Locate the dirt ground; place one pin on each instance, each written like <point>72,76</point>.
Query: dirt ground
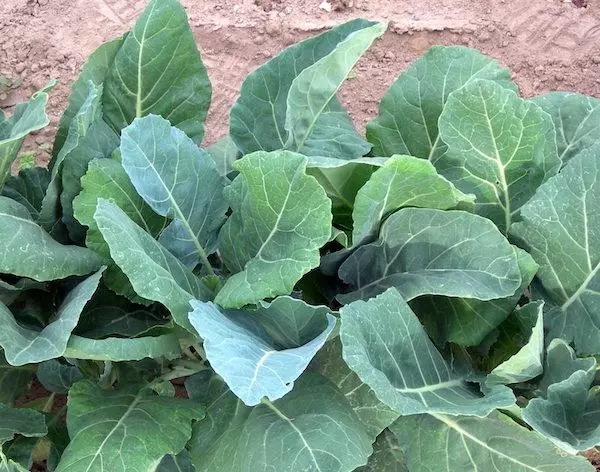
<point>549,44</point>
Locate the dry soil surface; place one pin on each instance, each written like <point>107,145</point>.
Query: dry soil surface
<point>548,44</point>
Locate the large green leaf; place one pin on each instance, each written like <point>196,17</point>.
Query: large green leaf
<point>408,113</point>
<point>500,148</point>
<point>403,181</point>
<point>158,70</point>
<point>252,362</point>
<point>178,181</point>
<point>28,251</point>
<point>314,125</point>
<point>560,230</point>
<point>154,272</point>
<point>95,70</point>
<point>387,455</point>
<point>467,321</point>
<point>374,414</point>
<point>568,412</point>
<point>312,428</point>
<point>385,344</point>
<point>526,363</point>
<point>282,216</point>
<point>576,118</point>
<point>123,349</point>
<point>562,362</point>
<point>27,117</point>
<point>495,443</point>
<point>432,252</point>
<point>28,188</point>
<point>106,178</point>
<point>289,102</point>
<point>124,430</point>
<point>26,346</point>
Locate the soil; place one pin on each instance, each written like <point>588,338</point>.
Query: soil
<point>548,44</point>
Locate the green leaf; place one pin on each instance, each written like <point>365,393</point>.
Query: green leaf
<point>403,181</point>
<point>479,444</point>
<point>467,321</point>
<point>385,344</point>
<point>525,364</point>
<point>28,188</point>
<point>311,428</point>
<point>387,455</point>
<point>289,102</point>
<point>58,377</point>
<point>20,453</point>
<point>568,413</point>
<point>312,123</point>
<point>179,463</point>
<point>95,70</point>
<point>154,272</point>
<point>409,111</point>
<point>576,118</point>
<point>562,362</point>
<point>178,181</point>
<point>99,142</point>
<point>124,430</point>
<point>283,217</point>
<point>27,117</point>
<point>21,421</point>
<point>89,113</point>
<point>13,380</point>
<point>559,229</point>
<point>111,320</point>
<point>374,415</point>
<point>158,70</point>
<point>432,252</point>
<point>240,350</point>
<point>106,178</point>
<point>26,346</point>
<point>500,148</point>
<point>120,349</point>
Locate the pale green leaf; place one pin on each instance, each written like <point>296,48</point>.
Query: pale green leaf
<point>311,429</point>
<point>568,412</point>
<point>277,97</point>
<point>385,344</point>
<point>576,118</point>
<point>224,153</point>
<point>423,251</point>
<point>25,346</point>
<point>283,217</point>
<point>27,117</point>
<point>158,70</point>
<point>525,364</point>
<point>500,148</point>
<point>403,181</point>
<point>249,359</point>
<point>123,349</point>
<point>154,272</point>
<point>409,111</point>
<point>467,444</point>
<point>179,181</point>
<point>124,430</point>
<point>560,230</point>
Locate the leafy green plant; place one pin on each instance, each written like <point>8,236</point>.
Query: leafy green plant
<point>422,298</point>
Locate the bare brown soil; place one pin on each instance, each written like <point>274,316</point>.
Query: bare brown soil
<point>549,44</point>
